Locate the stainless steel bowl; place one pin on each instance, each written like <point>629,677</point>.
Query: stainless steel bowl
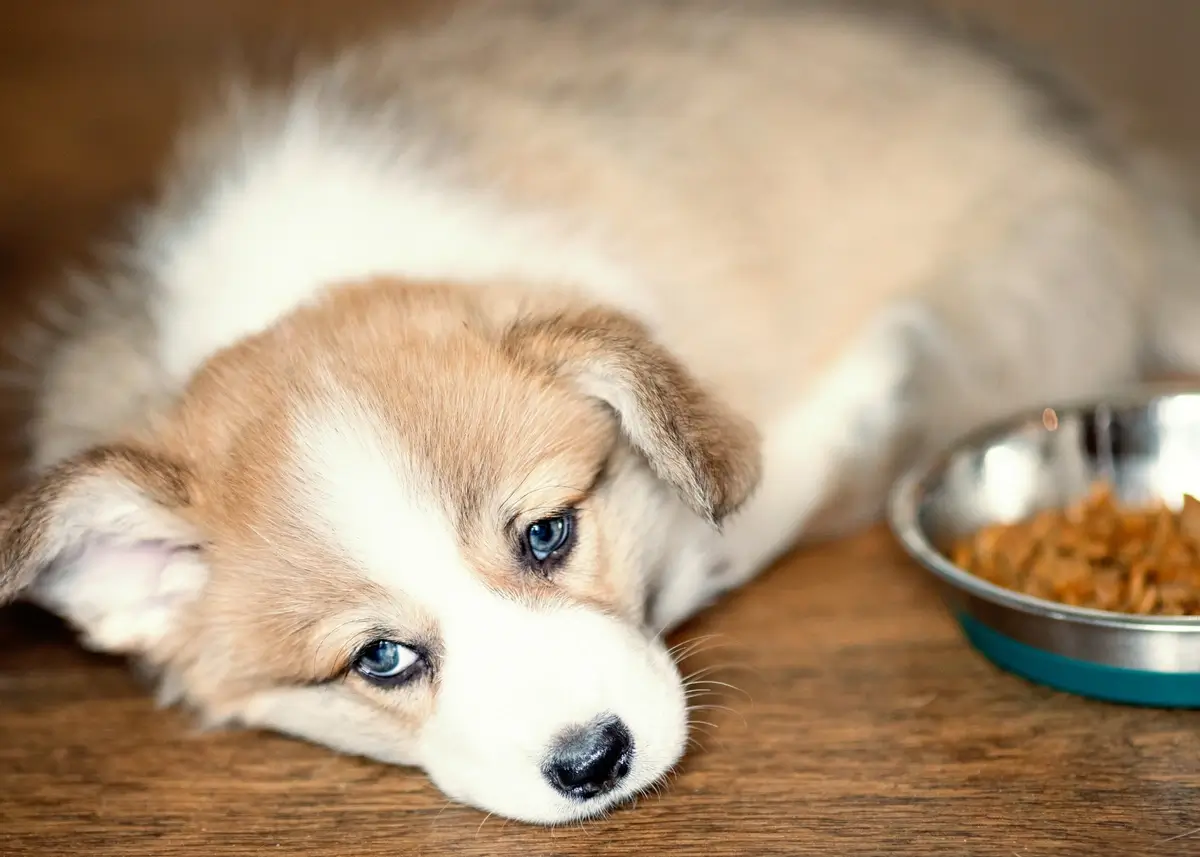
<point>1146,443</point>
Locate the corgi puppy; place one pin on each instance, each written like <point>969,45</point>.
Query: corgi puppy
<point>444,379</point>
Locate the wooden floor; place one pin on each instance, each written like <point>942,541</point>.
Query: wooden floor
<point>864,725</point>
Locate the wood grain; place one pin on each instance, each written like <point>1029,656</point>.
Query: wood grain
<point>862,725</point>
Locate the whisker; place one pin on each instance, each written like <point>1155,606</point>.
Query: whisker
<point>445,807</point>
<point>691,648</point>
<point>694,688</point>
<point>676,649</point>
<point>512,500</point>
<point>710,683</point>
<point>733,711</point>
<point>479,829</point>
<point>709,670</point>
<point>1186,835</point>
<point>692,708</point>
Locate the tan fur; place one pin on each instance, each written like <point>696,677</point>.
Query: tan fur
<point>746,171</point>
<point>692,440</point>
<point>431,358</point>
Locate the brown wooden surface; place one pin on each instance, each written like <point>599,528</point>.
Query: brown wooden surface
<point>866,725</point>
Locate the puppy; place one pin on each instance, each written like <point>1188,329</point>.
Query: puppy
<point>445,379</point>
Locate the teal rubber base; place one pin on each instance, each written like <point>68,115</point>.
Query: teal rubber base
<point>1097,681</point>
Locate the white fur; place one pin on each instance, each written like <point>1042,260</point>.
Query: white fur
<point>320,201</point>
<point>118,566</point>
<point>536,670</point>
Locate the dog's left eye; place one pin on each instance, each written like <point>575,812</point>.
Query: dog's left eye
<point>388,663</point>
<point>548,537</point>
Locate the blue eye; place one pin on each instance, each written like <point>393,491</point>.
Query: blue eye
<point>547,537</point>
<point>387,662</point>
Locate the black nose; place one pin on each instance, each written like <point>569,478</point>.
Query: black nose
<point>588,762</point>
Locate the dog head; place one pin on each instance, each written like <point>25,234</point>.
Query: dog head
<point>408,523</point>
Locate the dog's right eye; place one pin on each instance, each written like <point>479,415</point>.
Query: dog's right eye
<point>547,542</point>
<point>548,536</point>
<point>387,663</point>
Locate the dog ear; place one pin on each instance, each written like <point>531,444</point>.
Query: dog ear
<point>99,540</point>
<point>692,441</point>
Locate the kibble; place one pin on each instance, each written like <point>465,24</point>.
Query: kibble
<point>1096,553</point>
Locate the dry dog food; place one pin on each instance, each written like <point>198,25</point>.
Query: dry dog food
<point>1096,554</point>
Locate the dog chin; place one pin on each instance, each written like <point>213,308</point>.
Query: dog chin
<point>548,810</point>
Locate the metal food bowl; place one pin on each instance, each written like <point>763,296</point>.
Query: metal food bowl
<point>1146,444</point>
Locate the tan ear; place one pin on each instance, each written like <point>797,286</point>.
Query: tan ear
<point>99,539</point>
<point>692,441</point>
